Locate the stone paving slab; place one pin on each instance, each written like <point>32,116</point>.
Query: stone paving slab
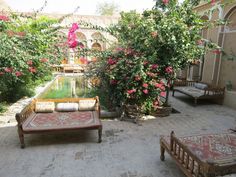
<point>127,150</point>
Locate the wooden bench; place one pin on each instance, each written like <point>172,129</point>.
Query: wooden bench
<point>202,155</point>
<point>190,88</point>
<point>29,121</point>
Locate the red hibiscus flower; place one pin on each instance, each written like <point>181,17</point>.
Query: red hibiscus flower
<point>18,73</point>
<point>8,70</point>
<point>145,85</point>
<point>145,91</point>
<point>30,62</point>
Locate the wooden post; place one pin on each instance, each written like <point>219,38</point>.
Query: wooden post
<point>20,131</point>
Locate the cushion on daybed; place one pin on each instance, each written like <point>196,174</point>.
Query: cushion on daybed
<point>200,86</point>
<point>67,107</point>
<point>41,107</point>
<point>87,105</point>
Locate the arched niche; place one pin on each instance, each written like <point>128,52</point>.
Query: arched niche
<point>96,46</point>
<point>227,38</point>
<point>82,38</point>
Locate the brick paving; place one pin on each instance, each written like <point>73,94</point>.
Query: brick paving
<point>127,150</point>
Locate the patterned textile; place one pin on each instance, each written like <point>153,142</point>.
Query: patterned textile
<point>215,148</point>
<point>61,120</point>
<point>212,148</point>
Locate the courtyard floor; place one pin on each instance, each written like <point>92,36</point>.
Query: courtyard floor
<point>127,150</point>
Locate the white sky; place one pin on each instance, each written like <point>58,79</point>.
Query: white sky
<point>87,7</point>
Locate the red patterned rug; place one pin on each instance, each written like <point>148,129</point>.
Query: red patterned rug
<point>217,148</point>
<point>58,120</point>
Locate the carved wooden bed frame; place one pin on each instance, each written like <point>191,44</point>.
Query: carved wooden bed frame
<point>190,163</point>
<point>29,111</point>
<point>210,92</point>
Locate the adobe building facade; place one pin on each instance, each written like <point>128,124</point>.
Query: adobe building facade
<point>218,69</point>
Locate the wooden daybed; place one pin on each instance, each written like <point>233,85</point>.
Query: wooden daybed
<point>198,90</point>
<point>86,116</point>
<point>202,155</point>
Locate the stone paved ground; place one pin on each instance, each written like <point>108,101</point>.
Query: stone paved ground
<point>127,150</point>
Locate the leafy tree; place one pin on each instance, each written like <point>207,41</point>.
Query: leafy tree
<point>106,8</point>
<point>151,48</point>
<point>29,46</point>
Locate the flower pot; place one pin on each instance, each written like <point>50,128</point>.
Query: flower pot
<point>162,111</point>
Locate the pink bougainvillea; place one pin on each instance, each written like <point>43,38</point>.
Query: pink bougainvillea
<point>18,73</point>
<point>165,1</point>
<point>131,91</point>
<point>72,40</point>
<point>160,86</point>
<point>163,94</point>
<point>111,61</point>
<point>4,18</point>
<point>32,69</point>
<point>30,62</point>
<point>154,66</point>
<point>145,91</point>
<point>44,60</point>
<point>145,85</point>
<point>169,70</point>
<point>213,2</point>
<point>8,70</point>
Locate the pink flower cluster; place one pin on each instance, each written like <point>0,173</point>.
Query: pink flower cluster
<point>4,18</point>
<point>154,66</point>
<point>169,70</point>
<point>111,61</point>
<point>160,85</point>
<point>71,40</point>
<point>44,60</point>
<point>10,70</point>
<point>32,69</point>
<point>165,1</point>
<point>131,91</point>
